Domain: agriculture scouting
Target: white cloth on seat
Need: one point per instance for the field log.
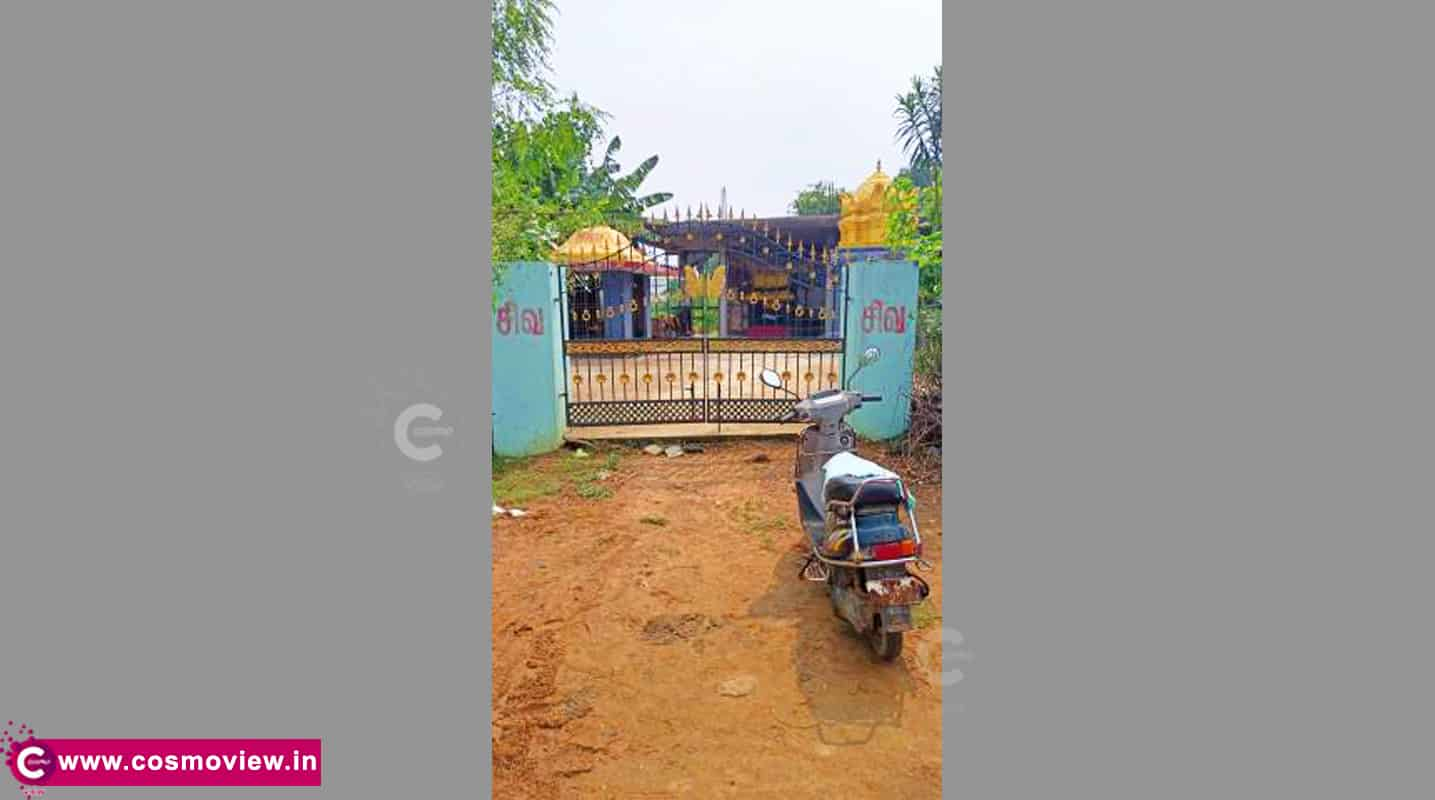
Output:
(854, 466)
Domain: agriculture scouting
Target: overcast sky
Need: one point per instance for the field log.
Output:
(761, 97)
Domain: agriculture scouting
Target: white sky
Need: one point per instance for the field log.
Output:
(763, 97)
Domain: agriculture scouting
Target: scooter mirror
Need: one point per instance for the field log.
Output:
(870, 356)
(771, 378)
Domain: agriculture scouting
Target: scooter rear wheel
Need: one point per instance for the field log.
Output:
(887, 645)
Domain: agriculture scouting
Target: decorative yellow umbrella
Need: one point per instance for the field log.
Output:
(592, 244)
(601, 248)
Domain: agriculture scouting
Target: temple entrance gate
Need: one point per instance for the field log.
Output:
(675, 325)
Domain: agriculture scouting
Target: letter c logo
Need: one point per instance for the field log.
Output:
(427, 411)
(22, 762)
(34, 763)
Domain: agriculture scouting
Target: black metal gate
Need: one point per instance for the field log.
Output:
(677, 328)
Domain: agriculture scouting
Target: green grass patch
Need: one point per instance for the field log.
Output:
(653, 519)
(924, 615)
(588, 472)
(518, 480)
(754, 519)
(594, 491)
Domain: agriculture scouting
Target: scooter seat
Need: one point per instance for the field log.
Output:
(878, 492)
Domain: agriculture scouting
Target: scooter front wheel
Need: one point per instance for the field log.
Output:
(887, 645)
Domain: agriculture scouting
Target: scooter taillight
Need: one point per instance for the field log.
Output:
(891, 550)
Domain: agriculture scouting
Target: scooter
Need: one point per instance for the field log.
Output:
(850, 511)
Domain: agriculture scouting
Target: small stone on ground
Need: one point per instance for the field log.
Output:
(673, 451)
(653, 449)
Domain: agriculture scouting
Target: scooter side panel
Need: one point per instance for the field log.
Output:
(812, 522)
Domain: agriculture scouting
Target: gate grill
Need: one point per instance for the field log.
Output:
(636, 382)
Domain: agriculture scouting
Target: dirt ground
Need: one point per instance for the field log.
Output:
(652, 639)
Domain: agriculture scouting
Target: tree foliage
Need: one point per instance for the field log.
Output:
(522, 41)
(545, 187)
(914, 229)
(919, 127)
(914, 221)
(819, 198)
(547, 181)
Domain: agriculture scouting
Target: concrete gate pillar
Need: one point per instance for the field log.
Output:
(882, 313)
(527, 346)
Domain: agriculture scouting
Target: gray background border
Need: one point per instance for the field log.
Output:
(1189, 421)
(237, 239)
(1188, 334)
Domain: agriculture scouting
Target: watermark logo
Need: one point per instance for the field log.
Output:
(952, 646)
(405, 431)
(32, 762)
(410, 424)
(41, 765)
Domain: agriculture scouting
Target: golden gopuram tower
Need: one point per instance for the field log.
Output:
(864, 213)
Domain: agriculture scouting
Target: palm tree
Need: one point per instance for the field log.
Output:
(919, 126)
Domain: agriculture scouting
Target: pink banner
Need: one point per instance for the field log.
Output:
(167, 762)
